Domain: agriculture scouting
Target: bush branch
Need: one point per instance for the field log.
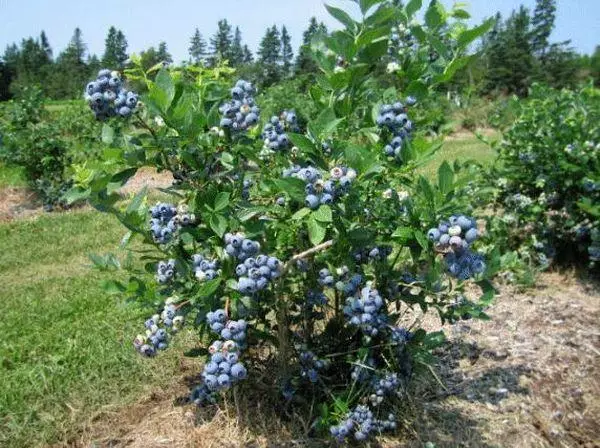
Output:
(308, 253)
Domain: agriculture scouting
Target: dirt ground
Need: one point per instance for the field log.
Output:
(528, 378)
(20, 202)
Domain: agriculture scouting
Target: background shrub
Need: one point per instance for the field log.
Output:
(548, 174)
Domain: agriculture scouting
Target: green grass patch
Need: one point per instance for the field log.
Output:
(469, 148)
(66, 345)
(12, 176)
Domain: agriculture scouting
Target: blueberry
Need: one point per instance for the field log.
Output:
(124, 111)
(312, 201)
(246, 285)
(238, 371)
(433, 234)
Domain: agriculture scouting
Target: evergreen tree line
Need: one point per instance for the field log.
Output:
(516, 53)
(33, 63)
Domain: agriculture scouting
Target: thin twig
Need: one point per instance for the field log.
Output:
(307, 253)
(182, 304)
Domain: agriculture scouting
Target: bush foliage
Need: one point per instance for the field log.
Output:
(303, 261)
(548, 175)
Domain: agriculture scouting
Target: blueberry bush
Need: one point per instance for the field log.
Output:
(298, 245)
(46, 143)
(547, 179)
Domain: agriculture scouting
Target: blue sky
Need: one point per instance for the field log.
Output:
(146, 22)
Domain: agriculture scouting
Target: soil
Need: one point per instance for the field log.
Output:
(20, 202)
(530, 377)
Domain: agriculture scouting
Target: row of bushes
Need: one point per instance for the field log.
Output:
(46, 142)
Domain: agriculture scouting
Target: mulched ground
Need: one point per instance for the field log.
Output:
(528, 378)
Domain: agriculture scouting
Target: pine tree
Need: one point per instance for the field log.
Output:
(510, 56)
(220, 43)
(45, 44)
(542, 24)
(149, 58)
(197, 48)
(248, 58)
(115, 49)
(269, 56)
(287, 55)
(163, 54)
(71, 70)
(236, 56)
(304, 61)
(594, 64)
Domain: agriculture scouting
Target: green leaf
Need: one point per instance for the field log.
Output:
(468, 36)
(412, 7)
(453, 66)
(445, 178)
(360, 236)
(421, 239)
(77, 194)
(342, 17)
(461, 14)
(325, 123)
(417, 89)
(221, 201)
(301, 213)
(435, 14)
(404, 235)
(218, 224)
(316, 231)
(323, 214)
(426, 189)
(119, 179)
(137, 201)
(162, 91)
(186, 237)
(365, 5)
(434, 340)
(112, 287)
(208, 288)
(108, 134)
(303, 143)
(292, 186)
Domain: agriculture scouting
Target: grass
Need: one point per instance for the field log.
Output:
(66, 346)
(464, 148)
(12, 176)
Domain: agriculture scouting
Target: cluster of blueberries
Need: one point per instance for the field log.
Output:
(366, 311)
(166, 219)
(241, 112)
(349, 287)
(255, 270)
(165, 271)
(371, 254)
(204, 268)
(107, 97)
(361, 423)
(156, 338)
(394, 118)
(319, 191)
(456, 235)
(222, 371)
(275, 132)
(310, 365)
(388, 384)
(234, 330)
(325, 278)
(316, 298)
